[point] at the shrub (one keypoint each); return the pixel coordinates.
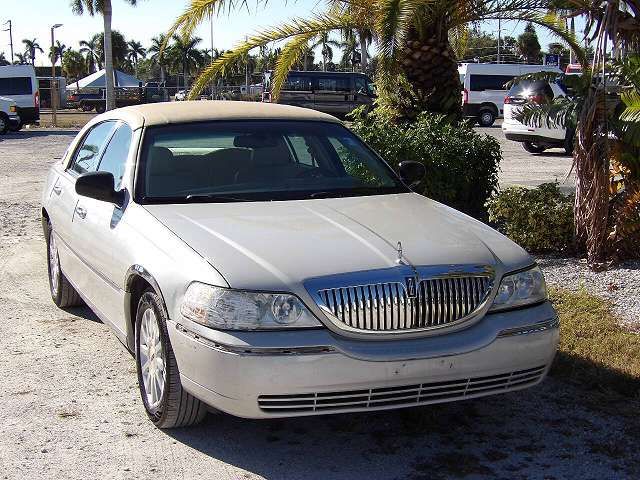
(538, 219)
(462, 165)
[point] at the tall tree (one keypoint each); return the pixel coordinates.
(119, 49)
(325, 43)
(73, 65)
(529, 45)
(184, 53)
(89, 48)
(56, 51)
(104, 8)
(31, 48)
(21, 59)
(135, 52)
(158, 54)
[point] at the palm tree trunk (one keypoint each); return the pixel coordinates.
(364, 61)
(108, 56)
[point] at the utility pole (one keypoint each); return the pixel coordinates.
(246, 70)
(54, 81)
(499, 38)
(573, 32)
(212, 81)
(8, 22)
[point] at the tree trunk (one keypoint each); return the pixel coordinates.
(364, 60)
(108, 56)
(431, 69)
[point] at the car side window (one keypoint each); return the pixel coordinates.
(302, 151)
(88, 154)
(115, 155)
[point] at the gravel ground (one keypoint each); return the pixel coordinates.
(70, 403)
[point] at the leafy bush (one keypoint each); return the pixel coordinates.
(462, 165)
(538, 219)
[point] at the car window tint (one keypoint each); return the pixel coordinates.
(88, 155)
(479, 83)
(302, 150)
(115, 155)
(334, 84)
(15, 86)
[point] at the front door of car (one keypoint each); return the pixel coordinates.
(95, 225)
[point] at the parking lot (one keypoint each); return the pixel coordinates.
(71, 406)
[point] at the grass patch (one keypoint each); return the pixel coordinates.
(594, 350)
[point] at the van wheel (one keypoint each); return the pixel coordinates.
(164, 399)
(4, 123)
(16, 128)
(486, 118)
(533, 147)
(101, 108)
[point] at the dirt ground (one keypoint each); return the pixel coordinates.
(71, 409)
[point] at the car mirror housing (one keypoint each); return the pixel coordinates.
(412, 173)
(99, 186)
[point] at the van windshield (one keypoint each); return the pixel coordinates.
(258, 161)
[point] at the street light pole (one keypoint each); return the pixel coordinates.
(8, 22)
(54, 90)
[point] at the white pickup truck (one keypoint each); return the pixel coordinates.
(8, 114)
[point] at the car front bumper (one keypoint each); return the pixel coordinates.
(311, 372)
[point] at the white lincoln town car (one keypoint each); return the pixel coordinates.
(262, 261)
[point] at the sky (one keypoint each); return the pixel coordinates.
(34, 18)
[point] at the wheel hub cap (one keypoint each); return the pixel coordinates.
(152, 359)
(54, 265)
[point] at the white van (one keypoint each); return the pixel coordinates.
(8, 114)
(483, 87)
(19, 83)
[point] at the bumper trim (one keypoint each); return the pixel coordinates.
(242, 350)
(527, 329)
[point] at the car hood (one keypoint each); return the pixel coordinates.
(277, 245)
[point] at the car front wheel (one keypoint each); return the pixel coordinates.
(533, 147)
(167, 404)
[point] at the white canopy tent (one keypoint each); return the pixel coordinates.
(97, 80)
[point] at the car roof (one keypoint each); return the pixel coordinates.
(171, 113)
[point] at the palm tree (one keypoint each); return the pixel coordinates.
(104, 8)
(31, 47)
(158, 56)
(349, 46)
(417, 68)
(21, 59)
(73, 65)
(136, 52)
(56, 51)
(3, 60)
(184, 54)
(325, 43)
(92, 56)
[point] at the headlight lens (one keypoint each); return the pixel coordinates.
(520, 289)
(229, 309)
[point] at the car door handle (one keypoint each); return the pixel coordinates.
(57, 189)
(81, 211)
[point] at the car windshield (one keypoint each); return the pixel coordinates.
(258, 160)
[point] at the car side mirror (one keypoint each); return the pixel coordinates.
(412, 173)
(99, 186)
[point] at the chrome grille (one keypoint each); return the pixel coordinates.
(387, 306)
(402, 395)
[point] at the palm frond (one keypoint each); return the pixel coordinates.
(561, 112)
(290, 54)
(631, 99)
(316, 24)
(459, 38)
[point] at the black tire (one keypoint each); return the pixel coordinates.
(4, 123)
(62, 292)
(101, 108)
(486, 118)
(16, 128)
(176, 407)
(533, 147)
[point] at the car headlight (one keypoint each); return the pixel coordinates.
(521, 288)
(230, 309)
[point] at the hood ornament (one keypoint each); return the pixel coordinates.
(400, 260)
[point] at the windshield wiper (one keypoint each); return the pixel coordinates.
(217, 198)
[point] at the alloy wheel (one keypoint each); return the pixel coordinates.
(54, 265)
(152, 359)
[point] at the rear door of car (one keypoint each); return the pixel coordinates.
(95, 226)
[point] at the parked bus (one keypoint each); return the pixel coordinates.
(336, 93)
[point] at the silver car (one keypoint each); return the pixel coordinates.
(262, 261)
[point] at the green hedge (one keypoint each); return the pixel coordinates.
(538, 219)
(462, 165)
